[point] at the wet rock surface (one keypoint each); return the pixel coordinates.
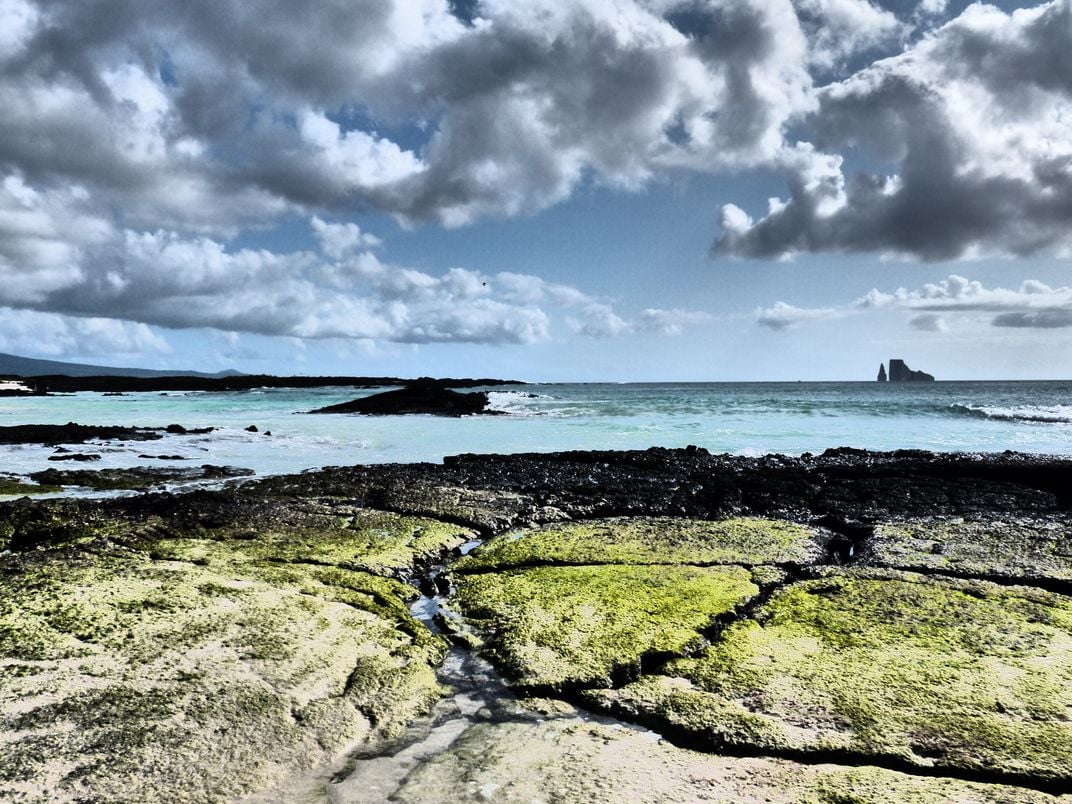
(136, 477)
(845, 627)
(72, 433)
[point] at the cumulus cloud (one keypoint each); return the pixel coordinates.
(339, 239)
(670, 322)
(342, 290)
(215, 113)
(52, 335)
(840, 29)
(139, 139)
(973, 123)
(785, 316)
(1033, 305)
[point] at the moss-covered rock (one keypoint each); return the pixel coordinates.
(966, 675)
(379, 542)
(124, 678)
(15, 486)
(570, 761)
(568, 627)
(644, 540)
(319, 531)
(1016, 548)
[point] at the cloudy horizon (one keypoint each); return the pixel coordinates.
(583, 190)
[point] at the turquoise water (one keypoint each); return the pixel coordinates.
(738, 418)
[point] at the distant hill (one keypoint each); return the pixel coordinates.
(15, 366)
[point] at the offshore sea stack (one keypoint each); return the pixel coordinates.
(900, 372)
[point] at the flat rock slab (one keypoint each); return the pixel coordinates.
(134, 478)
(129, 679)
(900, 668)
(378, 542)
(1024, 549)
(571, 761)
(652, 540)
(560, 628)
(204, 527)
(204, 652)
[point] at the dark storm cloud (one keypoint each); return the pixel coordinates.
(973, 123)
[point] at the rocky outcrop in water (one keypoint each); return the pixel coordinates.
(428, 396)
(882, 372)
(900, 372)
(72, 433)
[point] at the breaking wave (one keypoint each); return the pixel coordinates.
(1056, 414)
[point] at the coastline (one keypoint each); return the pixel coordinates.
(305, 618)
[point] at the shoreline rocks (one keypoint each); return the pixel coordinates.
(855, 623)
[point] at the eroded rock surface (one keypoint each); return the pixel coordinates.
(844, 627)
(143, 659)
(568, 759)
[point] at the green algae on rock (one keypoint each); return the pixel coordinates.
(126, 678)
(964, 675)
(195, 527)
(318, 532)
(568, 627)
(651, 540)
(15, 486)
(568, 760)
(1027, 549)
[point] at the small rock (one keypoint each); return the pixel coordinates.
(75, 456)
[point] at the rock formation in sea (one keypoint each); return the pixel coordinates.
(421, 396)
(900, 372)
(882, 372)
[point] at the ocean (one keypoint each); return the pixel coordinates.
(735, 418)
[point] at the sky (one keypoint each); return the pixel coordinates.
(554, 190)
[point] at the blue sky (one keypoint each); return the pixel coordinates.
(587, 190)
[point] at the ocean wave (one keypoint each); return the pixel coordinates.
(1057, 414)
(522, 403)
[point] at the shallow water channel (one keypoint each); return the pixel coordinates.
(476, 694)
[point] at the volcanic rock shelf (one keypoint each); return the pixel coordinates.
(851, 626)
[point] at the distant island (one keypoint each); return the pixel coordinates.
(900, 372)
(20, 376)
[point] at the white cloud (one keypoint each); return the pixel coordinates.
(18, 21)
(670, 322)
(785, 316)
(138, 140)
(1033, 305)
(338, 240)
(928, 322)
(598, 320)
(975, 121)
(51, 335)
(56, 256)
(842, 28)
(247, 109)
